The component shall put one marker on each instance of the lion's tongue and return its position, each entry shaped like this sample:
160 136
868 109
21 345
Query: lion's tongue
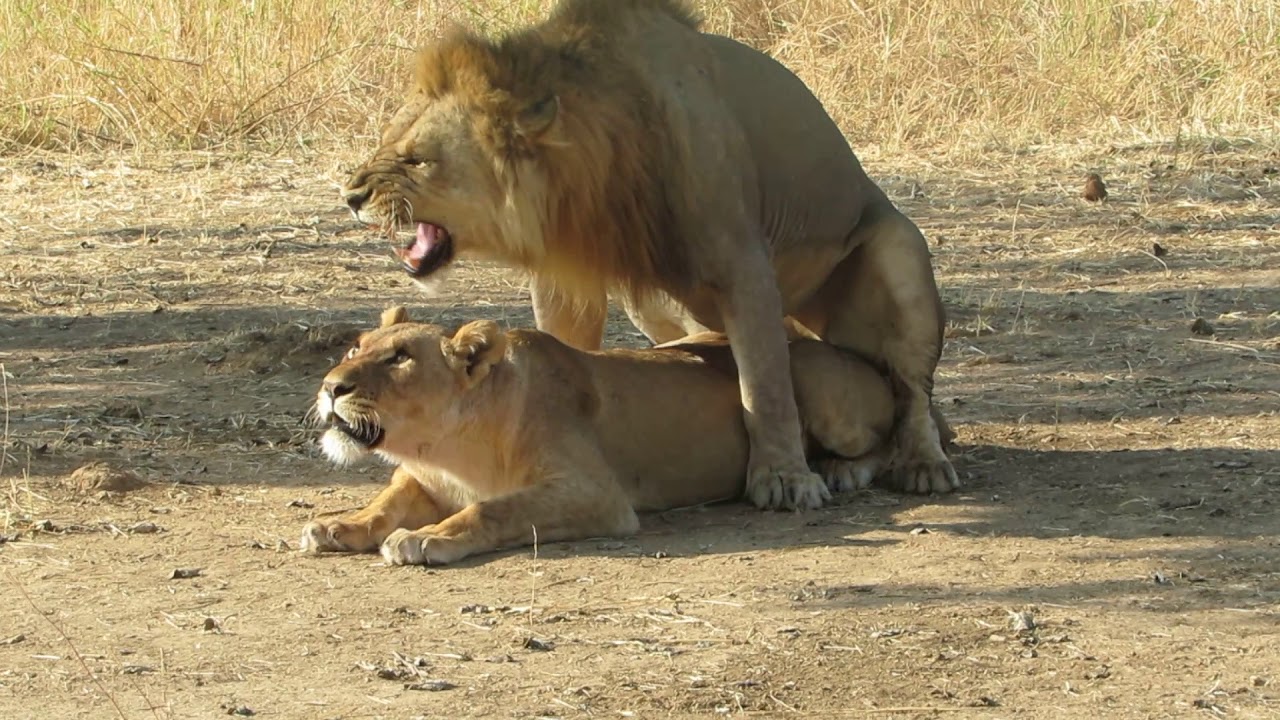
424 240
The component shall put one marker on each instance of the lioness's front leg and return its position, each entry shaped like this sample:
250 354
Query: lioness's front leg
403 503
778 476
582 503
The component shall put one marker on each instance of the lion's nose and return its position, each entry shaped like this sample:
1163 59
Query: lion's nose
356 199
337 388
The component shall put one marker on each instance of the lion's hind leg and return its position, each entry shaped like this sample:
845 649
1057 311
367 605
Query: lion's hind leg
404 503
883 302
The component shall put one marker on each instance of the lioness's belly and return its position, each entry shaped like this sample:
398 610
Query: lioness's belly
673 432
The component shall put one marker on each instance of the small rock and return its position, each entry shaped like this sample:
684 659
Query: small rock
1232 464
137 669
430 685
1160 578
185 573
920 530
211 625
1022 621
475 609
299 503
1201 327
537 645
240 710
1101 673
13 640
1158 250
1094 189
145 528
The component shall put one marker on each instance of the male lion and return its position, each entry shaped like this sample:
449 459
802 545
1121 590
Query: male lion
615 148
499 436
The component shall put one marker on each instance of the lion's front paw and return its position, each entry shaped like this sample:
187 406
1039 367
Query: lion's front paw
420 547
336 536
844 476
772 489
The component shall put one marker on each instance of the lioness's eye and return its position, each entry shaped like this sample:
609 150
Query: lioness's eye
352 352
399 358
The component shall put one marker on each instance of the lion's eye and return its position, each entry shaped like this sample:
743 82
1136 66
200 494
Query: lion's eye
352 352
399 358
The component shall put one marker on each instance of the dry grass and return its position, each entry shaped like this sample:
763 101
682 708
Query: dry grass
148 73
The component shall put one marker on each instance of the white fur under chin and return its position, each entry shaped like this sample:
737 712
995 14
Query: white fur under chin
341 449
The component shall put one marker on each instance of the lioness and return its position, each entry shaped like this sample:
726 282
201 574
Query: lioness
501 435
615 148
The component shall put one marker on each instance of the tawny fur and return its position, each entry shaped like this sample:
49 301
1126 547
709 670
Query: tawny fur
501 435
615 149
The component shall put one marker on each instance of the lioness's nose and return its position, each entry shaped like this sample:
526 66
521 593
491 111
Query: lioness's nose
356 199
337 388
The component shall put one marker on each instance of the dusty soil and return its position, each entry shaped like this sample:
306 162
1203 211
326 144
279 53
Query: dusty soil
1114 552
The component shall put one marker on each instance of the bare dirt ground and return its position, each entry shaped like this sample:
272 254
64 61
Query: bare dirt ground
1115 552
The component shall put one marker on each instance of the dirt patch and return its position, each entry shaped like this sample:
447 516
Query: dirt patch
100 477
1115 551
280 347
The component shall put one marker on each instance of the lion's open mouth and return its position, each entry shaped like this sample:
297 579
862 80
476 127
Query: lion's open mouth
365 433
430 250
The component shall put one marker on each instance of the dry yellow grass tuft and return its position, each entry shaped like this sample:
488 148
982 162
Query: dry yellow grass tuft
200 73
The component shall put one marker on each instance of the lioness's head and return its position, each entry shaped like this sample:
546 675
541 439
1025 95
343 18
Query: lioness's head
455 161
396 390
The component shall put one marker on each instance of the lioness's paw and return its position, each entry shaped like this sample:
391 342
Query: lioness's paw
844 476
420 547
771 489
335 536
924 477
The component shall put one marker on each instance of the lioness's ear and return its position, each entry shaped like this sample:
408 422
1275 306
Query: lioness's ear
536 118
474 349
394 316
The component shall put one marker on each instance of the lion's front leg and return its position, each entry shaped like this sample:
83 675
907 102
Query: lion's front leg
778 475
572 506
403 503
574 320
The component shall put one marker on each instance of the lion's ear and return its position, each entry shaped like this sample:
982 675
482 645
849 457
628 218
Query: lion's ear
474 350
534 120
394 316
